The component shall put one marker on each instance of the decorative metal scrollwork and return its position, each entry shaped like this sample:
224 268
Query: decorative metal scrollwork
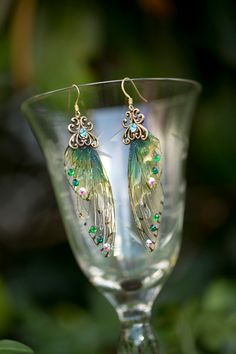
133 123
81 128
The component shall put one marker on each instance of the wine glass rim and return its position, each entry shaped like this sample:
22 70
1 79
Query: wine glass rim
195 85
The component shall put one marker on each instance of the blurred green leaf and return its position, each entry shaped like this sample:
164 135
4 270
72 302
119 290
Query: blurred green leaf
5 308
216 321
12 347
68 48
220 296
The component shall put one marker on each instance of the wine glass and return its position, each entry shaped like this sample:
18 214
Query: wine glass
132 278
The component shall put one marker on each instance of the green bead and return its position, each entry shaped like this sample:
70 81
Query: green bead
156 217
93 230
99 239
157 158
153 228
71 172
75 182
155 170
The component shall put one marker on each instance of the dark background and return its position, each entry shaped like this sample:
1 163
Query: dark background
45 301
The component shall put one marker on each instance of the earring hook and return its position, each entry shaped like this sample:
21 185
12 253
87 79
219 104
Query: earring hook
77 99
130 99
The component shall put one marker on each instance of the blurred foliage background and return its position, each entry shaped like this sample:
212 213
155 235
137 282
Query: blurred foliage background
45 301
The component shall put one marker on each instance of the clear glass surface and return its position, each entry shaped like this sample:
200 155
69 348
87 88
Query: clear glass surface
132 278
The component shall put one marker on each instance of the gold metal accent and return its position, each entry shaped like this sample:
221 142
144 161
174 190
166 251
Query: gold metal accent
81 128
76 106
134 119
130 99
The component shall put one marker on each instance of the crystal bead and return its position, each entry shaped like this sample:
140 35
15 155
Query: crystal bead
133 127
83 133
149 243
151 181
93 230
75 182
153 228
82 191
157 158
156 217
70 172
155 170
106 247
99 239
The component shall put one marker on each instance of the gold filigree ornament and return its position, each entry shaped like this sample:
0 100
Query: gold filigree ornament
133 118
81 130
133 123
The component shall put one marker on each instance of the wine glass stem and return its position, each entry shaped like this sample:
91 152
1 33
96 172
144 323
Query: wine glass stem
137 337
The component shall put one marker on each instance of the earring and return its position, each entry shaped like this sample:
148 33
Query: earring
144 173
91 189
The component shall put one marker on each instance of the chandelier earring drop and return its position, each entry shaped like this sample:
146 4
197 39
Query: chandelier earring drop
144 173
90 186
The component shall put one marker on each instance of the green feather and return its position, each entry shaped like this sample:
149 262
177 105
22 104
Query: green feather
145 189
92 196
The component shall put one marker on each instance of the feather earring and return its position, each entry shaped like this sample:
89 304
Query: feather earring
144 173
90 187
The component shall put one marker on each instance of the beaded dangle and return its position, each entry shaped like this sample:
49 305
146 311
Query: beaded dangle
90 187
144 173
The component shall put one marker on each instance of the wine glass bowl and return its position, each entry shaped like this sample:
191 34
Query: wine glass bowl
132 277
